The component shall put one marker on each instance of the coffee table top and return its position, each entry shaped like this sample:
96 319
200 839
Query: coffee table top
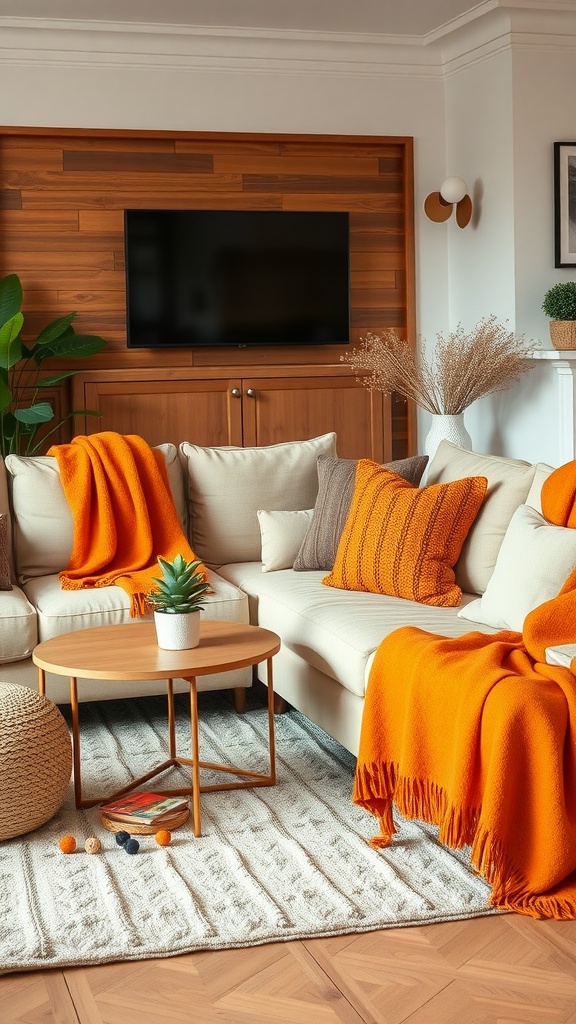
130 651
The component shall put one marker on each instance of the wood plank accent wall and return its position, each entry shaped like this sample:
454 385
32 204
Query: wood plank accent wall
63 193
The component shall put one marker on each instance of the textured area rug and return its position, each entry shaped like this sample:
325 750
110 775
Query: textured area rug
278 863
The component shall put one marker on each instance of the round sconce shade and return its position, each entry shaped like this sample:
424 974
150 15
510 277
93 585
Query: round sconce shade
453 189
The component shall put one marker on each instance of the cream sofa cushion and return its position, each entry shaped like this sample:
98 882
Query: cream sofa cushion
335 631
533 564
62 611
19 634
227 486
282 534
509 481
534 498
43 524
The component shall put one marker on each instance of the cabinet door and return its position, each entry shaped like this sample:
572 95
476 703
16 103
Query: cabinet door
204 412
296 408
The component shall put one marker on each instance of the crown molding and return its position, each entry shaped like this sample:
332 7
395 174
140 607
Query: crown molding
491 28
120 44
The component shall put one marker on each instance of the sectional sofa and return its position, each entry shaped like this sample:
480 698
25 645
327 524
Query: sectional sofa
267 522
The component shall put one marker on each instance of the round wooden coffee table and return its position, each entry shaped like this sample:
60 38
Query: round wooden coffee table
130 651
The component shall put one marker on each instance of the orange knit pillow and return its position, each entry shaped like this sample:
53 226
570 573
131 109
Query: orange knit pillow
403 540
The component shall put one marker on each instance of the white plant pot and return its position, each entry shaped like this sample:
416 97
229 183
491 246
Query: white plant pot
446 428
177 632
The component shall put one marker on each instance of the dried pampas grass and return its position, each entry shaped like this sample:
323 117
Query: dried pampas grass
465 365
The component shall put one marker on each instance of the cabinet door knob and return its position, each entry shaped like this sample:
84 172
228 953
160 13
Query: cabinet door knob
237 392
251 393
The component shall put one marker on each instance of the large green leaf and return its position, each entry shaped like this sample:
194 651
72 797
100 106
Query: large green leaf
41 412
10 297
75 346
47 381
55 330
10 344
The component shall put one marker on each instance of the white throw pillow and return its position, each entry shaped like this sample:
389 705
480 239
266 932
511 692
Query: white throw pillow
42 523
533 564
509 481
227 486
282 534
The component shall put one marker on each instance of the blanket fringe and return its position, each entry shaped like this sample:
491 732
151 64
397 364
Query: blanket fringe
377 786
139 606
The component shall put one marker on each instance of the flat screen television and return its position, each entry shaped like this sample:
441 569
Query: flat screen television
236 278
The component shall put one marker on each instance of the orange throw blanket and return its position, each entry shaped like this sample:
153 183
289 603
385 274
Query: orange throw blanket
123 511
478 736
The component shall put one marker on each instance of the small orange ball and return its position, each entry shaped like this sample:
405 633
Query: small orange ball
163 837
67 844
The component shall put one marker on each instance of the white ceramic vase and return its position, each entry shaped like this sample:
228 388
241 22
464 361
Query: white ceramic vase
446 428
178 632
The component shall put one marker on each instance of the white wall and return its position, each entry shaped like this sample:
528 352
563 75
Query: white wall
515 237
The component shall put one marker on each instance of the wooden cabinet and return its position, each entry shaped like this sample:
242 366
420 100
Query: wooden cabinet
259 406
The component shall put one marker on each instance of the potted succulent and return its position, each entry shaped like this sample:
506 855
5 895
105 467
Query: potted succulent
560 305
177 603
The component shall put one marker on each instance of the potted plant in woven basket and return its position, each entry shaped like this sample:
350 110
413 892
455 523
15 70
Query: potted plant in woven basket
177 603
560 305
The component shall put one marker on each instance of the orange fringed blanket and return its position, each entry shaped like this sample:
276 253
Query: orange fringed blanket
478 735
124 515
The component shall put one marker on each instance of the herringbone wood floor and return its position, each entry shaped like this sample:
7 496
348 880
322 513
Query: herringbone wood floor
495 970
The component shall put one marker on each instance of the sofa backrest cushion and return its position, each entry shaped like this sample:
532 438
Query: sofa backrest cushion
335 490
227 486
43 524
404 541
542 473
509 481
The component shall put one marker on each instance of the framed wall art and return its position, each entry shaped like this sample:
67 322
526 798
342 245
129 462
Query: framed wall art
565 204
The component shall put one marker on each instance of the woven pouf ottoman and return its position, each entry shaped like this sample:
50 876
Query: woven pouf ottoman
35 760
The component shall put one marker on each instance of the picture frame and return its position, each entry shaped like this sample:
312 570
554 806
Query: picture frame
565 204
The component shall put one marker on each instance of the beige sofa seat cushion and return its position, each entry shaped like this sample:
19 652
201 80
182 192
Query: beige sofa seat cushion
18 626
62 611
509 482
227 486
335 631
43 524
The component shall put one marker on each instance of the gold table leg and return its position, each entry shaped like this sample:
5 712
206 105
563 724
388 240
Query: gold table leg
249 778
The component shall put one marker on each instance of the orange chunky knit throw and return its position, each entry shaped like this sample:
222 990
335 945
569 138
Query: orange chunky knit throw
124 515
478 736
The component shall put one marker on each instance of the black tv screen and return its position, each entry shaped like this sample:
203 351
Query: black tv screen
236 278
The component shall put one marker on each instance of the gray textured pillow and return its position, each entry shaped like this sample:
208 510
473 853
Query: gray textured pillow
5 582
335 489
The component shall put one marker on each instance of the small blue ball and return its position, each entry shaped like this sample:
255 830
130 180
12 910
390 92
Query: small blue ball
122 838
131 846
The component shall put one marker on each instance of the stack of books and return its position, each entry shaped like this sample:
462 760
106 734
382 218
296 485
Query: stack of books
151 810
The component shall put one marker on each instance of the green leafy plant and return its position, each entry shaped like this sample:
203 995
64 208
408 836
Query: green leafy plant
560 301
181 587
21 371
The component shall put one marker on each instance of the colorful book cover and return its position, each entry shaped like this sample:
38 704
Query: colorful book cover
144 806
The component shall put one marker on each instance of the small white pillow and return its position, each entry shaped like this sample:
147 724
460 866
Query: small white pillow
282 534
534 562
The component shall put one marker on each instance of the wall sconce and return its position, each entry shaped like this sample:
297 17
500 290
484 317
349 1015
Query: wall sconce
453 192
